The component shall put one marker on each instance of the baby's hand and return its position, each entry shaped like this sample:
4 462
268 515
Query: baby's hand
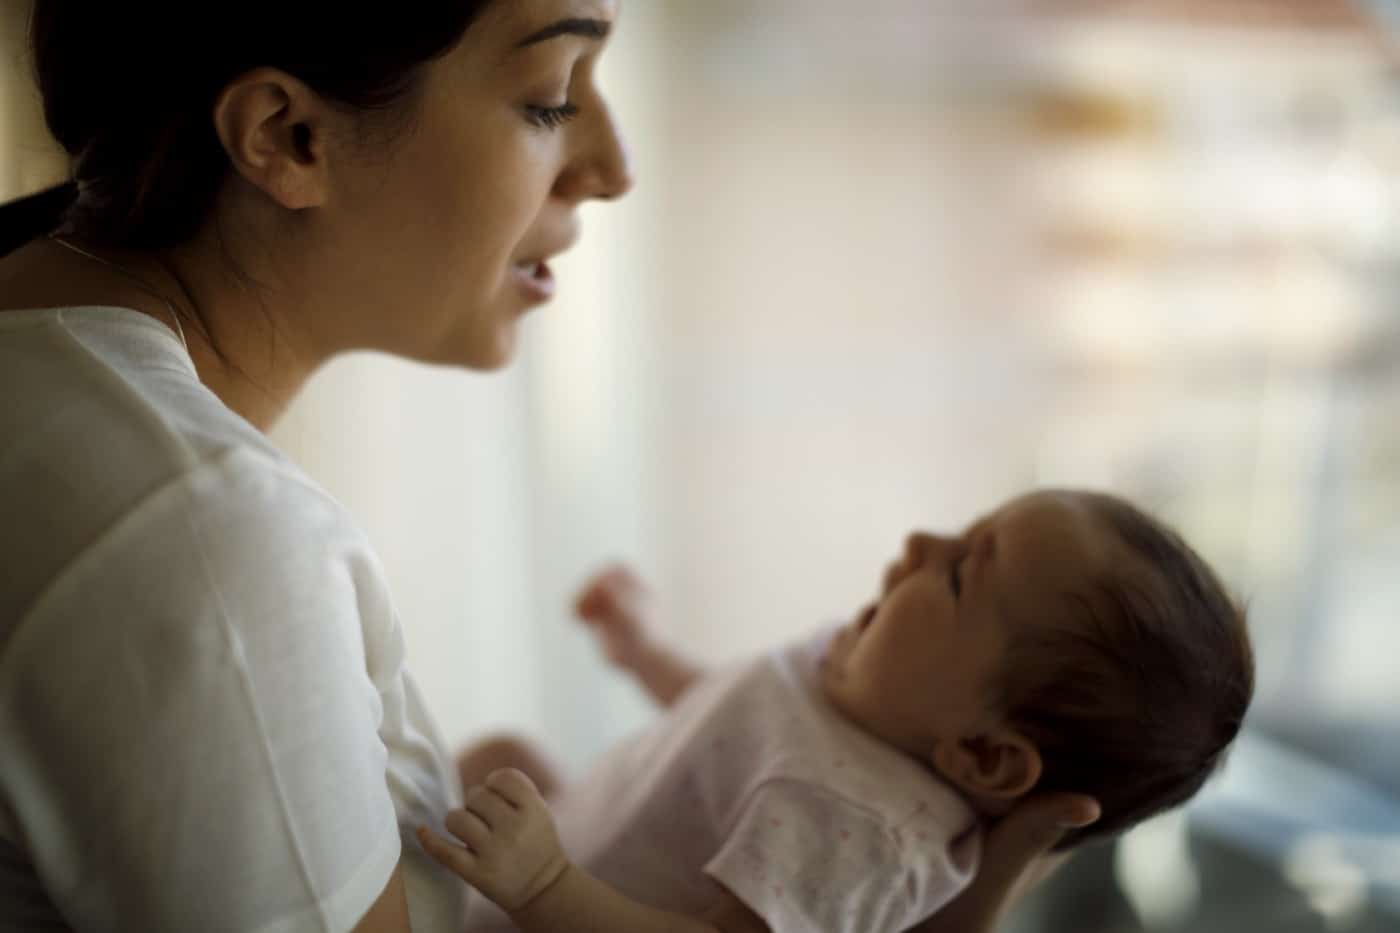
512 852
618 606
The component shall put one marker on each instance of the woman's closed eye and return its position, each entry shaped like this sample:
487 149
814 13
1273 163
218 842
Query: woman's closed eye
551 118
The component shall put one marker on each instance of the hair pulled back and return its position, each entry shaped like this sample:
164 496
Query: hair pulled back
128 91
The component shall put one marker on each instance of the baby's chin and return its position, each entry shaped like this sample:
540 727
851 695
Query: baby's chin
828 676
831 666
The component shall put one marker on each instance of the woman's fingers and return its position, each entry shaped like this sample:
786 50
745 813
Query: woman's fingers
1012 848
1013 859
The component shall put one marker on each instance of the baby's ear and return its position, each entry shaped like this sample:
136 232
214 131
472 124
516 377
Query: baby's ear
1003 764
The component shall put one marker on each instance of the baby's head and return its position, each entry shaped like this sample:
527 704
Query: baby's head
1066 642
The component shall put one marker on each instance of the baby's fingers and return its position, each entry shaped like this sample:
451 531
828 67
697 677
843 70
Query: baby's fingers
456 859
597 598
515 786
470 828
497 813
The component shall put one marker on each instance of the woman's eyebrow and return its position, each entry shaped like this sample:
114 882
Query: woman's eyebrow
588 28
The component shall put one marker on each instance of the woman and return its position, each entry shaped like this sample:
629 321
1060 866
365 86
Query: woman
205 722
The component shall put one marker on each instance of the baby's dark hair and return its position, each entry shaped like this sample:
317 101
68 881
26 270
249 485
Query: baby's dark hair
1136 696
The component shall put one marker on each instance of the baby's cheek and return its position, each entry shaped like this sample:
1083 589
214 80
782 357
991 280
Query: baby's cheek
920 611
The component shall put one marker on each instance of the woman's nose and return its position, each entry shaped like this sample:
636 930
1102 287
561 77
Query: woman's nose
603 167
615 177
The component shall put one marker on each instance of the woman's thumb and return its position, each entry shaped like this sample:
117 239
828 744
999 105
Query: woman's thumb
1032 830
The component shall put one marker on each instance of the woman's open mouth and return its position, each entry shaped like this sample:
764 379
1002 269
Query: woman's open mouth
534 278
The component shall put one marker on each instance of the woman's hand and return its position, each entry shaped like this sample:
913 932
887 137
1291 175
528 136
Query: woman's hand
512 852
618 606
1015 858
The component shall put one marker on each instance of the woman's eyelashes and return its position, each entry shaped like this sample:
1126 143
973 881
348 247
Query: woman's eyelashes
550 118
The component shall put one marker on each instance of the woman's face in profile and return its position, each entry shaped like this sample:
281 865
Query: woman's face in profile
459 218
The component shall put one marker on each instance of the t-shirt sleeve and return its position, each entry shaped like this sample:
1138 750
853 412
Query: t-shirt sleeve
190 721
805 859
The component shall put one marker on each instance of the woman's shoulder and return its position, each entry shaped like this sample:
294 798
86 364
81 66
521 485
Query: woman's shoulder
107 427
109 378
240 548
44 275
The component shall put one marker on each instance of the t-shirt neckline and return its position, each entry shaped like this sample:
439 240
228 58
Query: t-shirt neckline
109 315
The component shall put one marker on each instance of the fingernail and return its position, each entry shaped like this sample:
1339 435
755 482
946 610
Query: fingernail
1078 819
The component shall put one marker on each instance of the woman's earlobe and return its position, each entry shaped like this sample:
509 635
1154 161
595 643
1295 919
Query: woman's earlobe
292 192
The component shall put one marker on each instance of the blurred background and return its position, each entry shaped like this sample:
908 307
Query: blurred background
888 264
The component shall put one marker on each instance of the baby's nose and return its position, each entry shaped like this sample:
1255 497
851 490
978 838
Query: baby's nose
917 548
921 547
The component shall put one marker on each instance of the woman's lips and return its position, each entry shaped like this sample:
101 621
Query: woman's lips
535 279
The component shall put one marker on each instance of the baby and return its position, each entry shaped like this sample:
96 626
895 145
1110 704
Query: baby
1065 642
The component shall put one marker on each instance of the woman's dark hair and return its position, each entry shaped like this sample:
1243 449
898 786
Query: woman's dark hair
128 90
1135 696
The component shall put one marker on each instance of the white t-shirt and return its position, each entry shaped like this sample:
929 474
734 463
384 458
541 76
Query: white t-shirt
205 721
754 781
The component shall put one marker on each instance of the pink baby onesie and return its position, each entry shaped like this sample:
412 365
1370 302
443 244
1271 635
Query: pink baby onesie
753 781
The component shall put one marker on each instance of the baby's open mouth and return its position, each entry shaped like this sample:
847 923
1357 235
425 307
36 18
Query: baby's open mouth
866 617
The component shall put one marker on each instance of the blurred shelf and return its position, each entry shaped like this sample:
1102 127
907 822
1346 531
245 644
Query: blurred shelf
1317 823
1293 15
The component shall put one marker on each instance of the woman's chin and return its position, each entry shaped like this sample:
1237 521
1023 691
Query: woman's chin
494 363
492 354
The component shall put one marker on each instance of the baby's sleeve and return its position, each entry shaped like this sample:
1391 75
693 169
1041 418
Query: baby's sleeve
807 860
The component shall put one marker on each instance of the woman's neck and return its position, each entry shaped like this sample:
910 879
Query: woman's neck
238 349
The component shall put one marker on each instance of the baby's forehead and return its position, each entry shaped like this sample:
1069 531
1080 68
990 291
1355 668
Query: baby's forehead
1060 529
1051 549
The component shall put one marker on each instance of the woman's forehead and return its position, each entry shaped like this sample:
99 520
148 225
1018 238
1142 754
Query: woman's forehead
510 29
534 15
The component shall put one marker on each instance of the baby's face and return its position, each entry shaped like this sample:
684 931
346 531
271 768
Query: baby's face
917 666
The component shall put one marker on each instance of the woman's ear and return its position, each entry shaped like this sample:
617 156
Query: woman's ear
275 131
1003 764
